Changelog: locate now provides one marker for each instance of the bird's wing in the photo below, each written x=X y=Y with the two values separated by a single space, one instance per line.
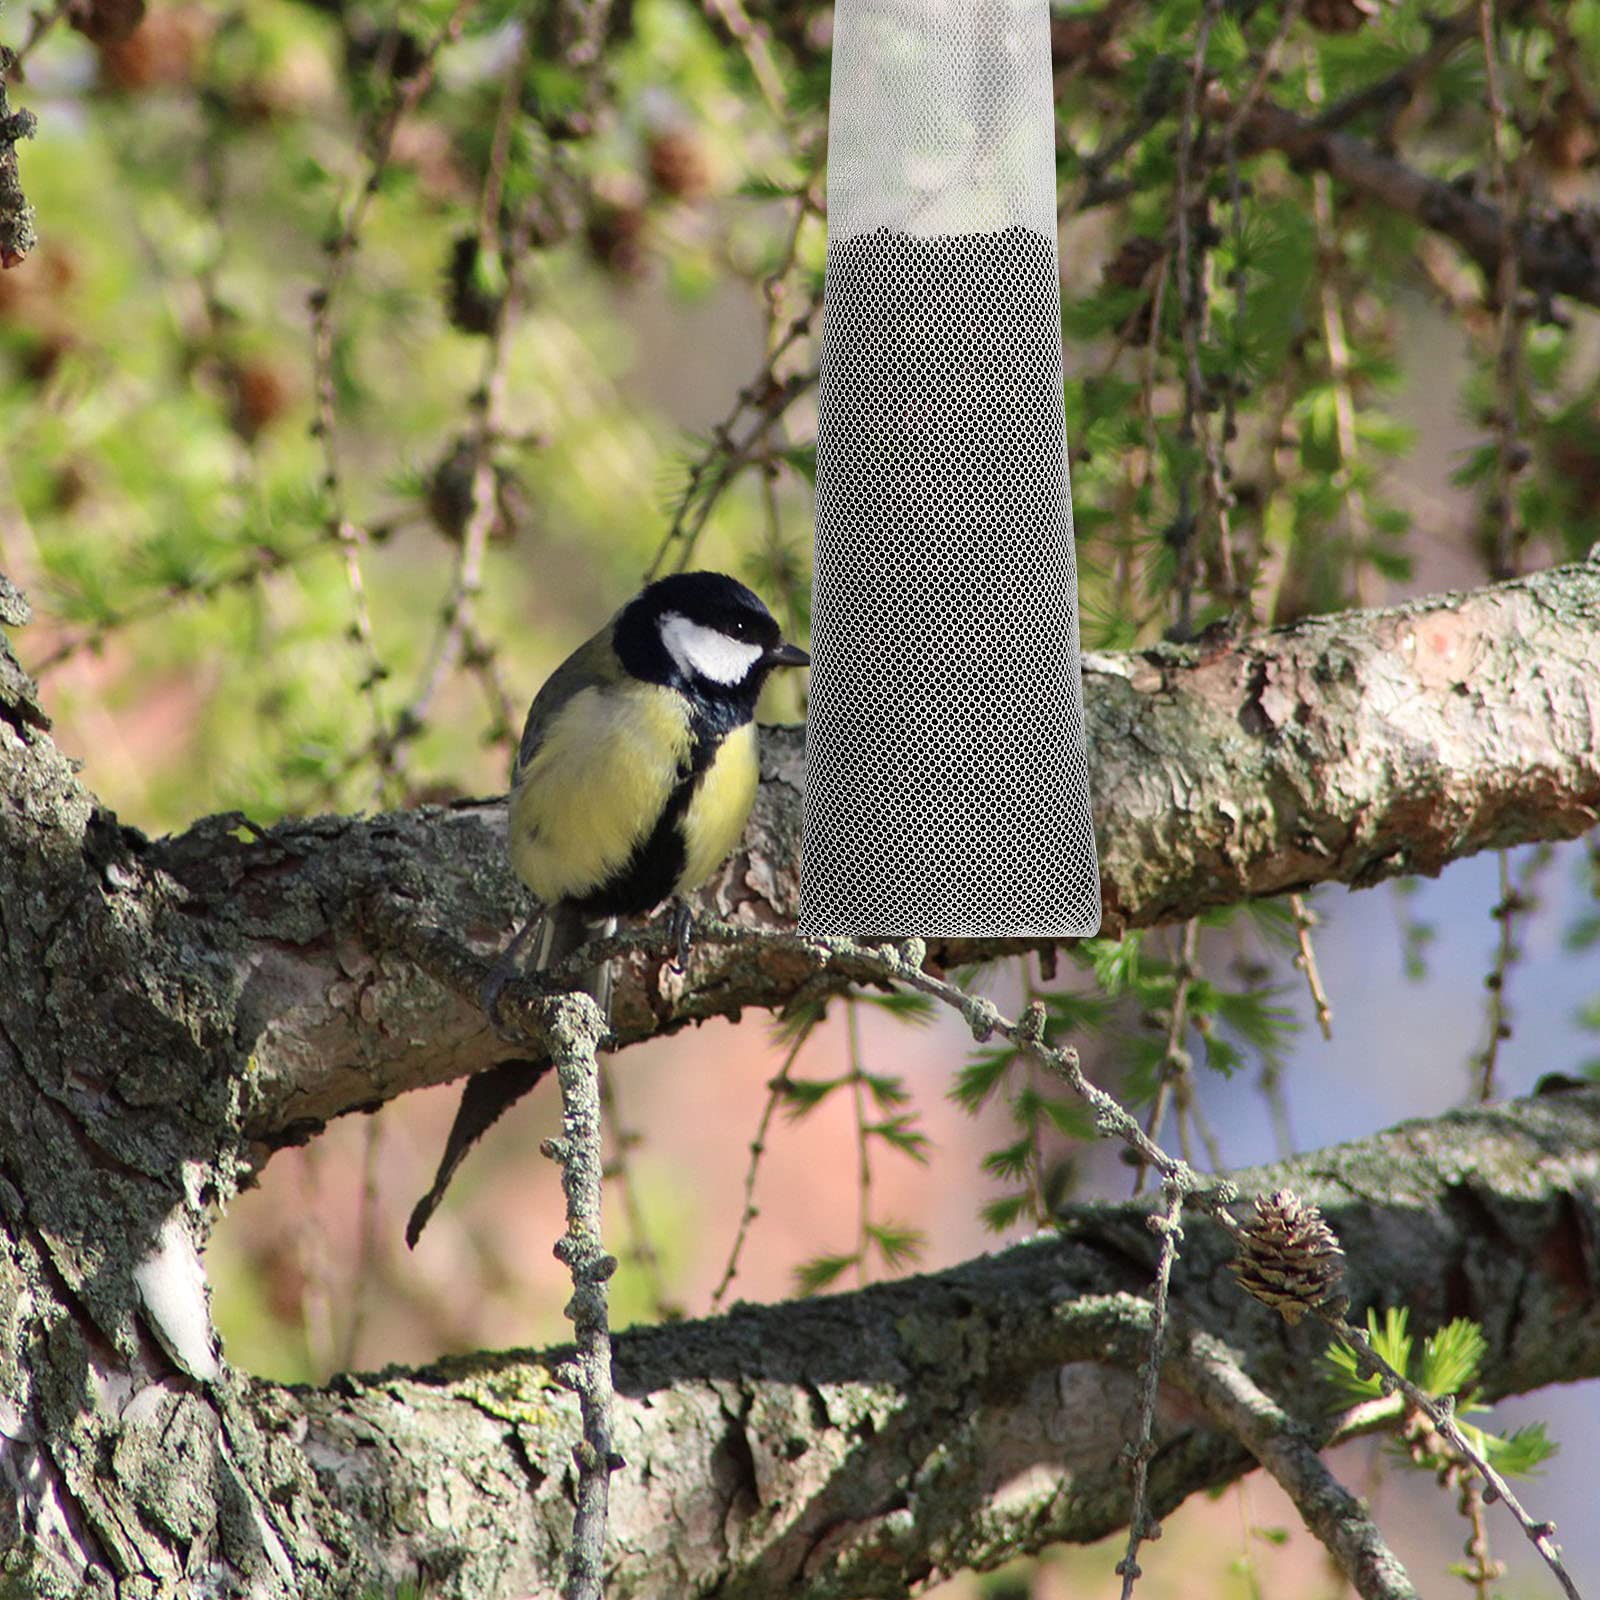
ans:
x=591 y=665
x=600 y=777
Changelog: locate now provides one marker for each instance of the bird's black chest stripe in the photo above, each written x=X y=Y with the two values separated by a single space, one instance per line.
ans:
x=658 y=861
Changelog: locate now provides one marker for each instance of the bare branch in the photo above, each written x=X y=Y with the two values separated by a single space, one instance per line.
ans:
x=574 y=1043
x=1548 y=256
x=1213 y=1374
x=1342 y=749
x=1168 y=1228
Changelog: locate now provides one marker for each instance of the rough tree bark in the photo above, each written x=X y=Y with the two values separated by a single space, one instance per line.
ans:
x=172 y=1010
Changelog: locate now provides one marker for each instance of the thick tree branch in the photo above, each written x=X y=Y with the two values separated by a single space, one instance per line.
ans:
x=1212 y=1373
x=1342 y=749
x=859 y=1444
x=162 y=999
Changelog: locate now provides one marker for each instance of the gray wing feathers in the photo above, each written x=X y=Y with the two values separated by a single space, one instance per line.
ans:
x=591 y=665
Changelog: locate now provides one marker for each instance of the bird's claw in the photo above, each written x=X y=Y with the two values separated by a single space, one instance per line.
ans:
x=500 y=976
x=682 y=933
x=494 y=987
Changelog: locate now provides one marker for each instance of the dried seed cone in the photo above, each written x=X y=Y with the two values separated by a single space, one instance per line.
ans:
x=1289 y=1258
x=1340 y=16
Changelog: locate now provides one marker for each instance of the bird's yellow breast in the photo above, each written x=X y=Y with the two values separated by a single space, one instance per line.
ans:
x=720 y=806
x=596 y=787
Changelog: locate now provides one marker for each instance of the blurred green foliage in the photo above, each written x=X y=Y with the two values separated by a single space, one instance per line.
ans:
x=166 y=497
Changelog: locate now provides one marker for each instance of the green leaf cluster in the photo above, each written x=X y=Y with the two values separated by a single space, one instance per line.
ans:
x=1443 y=1363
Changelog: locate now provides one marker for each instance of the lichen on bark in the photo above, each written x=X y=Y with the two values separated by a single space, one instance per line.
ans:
x=172 y=1010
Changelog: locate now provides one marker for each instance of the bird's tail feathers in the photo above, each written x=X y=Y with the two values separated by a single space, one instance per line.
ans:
x=566 y=930
x=488 y=1095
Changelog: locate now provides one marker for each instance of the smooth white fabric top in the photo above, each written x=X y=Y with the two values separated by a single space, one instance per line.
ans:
x=941 y=119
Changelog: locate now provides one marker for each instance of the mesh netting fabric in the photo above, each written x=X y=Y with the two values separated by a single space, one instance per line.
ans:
x=946 y=781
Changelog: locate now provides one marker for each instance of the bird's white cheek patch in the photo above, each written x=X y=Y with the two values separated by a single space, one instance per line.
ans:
x=702 y=650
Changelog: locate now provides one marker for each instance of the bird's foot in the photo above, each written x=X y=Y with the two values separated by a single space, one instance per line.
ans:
x=500 y=975
x=682 y=934
x=494 y=986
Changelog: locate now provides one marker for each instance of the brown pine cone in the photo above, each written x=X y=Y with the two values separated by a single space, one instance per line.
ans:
x=1289 y=1258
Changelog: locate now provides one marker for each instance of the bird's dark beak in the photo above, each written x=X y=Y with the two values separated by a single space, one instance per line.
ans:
x=786 y=655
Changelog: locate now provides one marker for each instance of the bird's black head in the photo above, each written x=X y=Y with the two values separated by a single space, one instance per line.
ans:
x=706 y=633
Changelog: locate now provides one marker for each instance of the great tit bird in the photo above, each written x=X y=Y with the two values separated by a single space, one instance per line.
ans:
x=633 y=783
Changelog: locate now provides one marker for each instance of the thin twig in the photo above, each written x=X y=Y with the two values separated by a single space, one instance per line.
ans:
x=1151 y=367
x=1241 y=580
x=263 y=561
x=1268 y=65
x=348 y=535
x=1191 y=1109
x=1391 y=93
x=1194 y=298
x=1482 y=1570
x=1499 y=1025
x=1516 y=899
x=758 y=1148
x=753 y=40
x=1441 y=1413
x=767 y=397
x=1305 y=919
x=1352 y=500
x=895 y=961
x=1569 y=53
x=574 y=1037
x=858 y=1088
x=39 y=24
x=1175 y=1060
x=1035 y=1173
x=1168 y=1226
x=1508 y=532
x=768 y=394
x=458 y=639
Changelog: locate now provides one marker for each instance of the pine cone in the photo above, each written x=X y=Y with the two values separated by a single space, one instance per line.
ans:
x=1131 y=265
x=1340 y=16
x=472 y=297
x=449 y=497
x=678 y=166
x=257 y=394
x=1289 y=1258
x=160 y=53
x=615 y=236
x=105 y=21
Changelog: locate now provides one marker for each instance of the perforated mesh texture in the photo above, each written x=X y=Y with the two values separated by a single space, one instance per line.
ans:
x=946 y=783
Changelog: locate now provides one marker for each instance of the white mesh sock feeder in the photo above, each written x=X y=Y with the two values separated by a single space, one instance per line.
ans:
x=947 y=790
